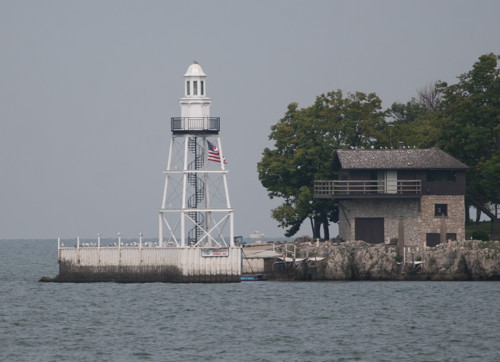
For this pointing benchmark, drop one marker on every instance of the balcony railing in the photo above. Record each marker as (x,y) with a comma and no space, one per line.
(195,124)
(341,189)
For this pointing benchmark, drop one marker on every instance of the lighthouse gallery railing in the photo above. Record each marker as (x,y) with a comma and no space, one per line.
(184,124)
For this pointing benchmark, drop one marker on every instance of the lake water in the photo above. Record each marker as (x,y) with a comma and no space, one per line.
(248,321)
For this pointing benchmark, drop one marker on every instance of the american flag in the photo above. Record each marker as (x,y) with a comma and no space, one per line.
(213,153)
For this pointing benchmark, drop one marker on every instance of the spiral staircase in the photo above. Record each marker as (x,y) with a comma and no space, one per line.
(198,187)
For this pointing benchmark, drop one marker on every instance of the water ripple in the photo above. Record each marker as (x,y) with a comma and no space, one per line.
(251,321)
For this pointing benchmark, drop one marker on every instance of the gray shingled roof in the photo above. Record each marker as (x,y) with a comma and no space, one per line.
(432,158)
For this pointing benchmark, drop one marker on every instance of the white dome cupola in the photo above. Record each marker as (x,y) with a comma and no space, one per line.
(195,81)
(195,103)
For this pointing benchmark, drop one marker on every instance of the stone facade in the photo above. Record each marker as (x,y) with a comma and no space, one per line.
(453,222)
(418,217)
(390,209)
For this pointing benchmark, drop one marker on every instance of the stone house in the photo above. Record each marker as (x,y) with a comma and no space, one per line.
(383,194)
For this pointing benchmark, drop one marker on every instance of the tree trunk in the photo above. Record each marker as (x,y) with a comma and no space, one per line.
(326,230)
(484,209)
(317,227)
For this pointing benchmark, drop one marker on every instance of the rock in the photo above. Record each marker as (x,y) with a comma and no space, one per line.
(357,260)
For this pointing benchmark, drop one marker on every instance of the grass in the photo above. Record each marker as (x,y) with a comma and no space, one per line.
(485,226)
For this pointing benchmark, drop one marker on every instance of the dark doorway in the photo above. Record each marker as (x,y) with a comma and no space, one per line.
(369,229)
(433,239)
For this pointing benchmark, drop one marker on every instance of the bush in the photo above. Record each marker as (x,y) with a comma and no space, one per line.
(398,258)
(480,235)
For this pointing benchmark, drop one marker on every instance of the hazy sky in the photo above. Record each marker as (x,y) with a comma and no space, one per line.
(87,89)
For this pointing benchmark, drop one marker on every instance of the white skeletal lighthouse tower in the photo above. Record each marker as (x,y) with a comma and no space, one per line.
(195,209)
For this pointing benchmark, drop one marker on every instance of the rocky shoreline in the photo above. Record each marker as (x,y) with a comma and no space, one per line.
(357,260)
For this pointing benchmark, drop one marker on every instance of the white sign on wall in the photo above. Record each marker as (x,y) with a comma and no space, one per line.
(215,252)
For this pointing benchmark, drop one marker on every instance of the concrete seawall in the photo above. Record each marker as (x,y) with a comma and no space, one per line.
(153,264)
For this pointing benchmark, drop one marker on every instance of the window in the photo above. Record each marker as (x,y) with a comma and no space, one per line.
(188,88)
(195,87)
(432,239)
(441,176)
(440,210)
(202,86)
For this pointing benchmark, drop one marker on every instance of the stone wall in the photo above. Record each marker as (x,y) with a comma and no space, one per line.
(418,217)
(454,221)
(356,260)
(389,209)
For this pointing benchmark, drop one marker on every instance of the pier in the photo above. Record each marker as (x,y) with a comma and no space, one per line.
(147,262)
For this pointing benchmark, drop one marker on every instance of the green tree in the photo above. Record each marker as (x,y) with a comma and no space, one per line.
(422,132)
(416,123)
(405,113)
(305,141)
(470,127)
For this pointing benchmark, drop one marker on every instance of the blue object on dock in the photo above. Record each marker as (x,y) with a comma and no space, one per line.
(254,277)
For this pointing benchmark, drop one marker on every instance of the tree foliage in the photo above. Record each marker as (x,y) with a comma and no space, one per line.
(463,119)
(305,141)
(406,113)
(416,123)
(470,127)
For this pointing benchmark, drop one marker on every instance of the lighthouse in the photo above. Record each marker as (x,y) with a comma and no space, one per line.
(195,209)
(196,236)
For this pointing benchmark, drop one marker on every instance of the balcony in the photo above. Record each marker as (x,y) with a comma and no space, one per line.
(365,189)
(195,125)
